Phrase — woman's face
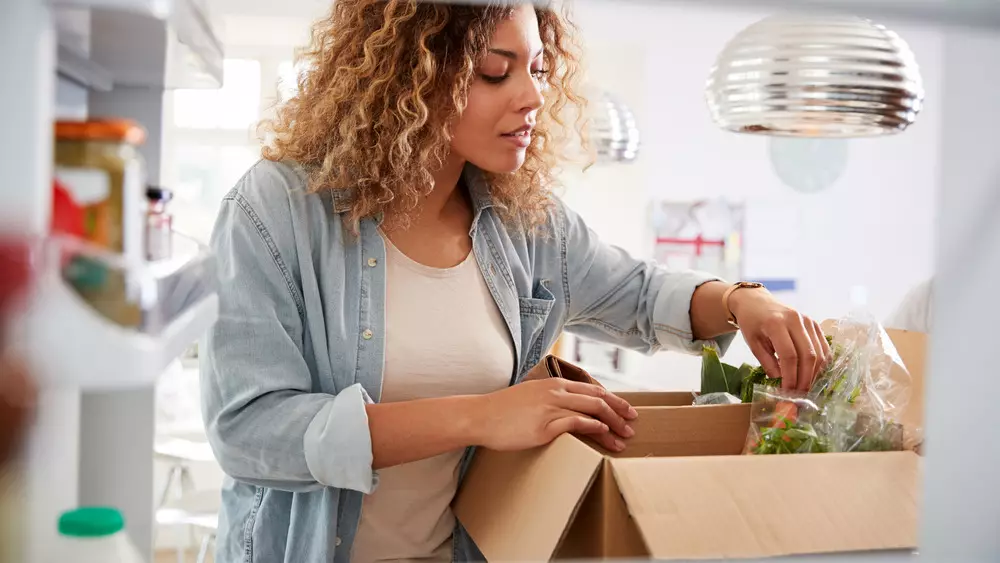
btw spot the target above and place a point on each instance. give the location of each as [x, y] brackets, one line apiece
[495, 129]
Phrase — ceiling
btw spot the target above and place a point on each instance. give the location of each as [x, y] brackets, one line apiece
[285, 8]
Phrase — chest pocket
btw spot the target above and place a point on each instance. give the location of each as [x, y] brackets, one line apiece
[534, 314]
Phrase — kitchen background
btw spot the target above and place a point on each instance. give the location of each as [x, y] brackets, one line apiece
[861, 242]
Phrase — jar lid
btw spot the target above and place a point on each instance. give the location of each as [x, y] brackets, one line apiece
[121, 130]
[91, 522]
[157, 193]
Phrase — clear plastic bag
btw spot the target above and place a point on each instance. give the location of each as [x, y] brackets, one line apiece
[872, 376]
[784, 422]
[717, 399]
[855, 404]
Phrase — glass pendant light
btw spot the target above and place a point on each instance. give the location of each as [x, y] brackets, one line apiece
[815, 76]
[613, 130]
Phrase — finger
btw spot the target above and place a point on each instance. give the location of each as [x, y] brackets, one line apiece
[574, 423]
[619, 405]
[599, 409]
[608, 441]
[604, 436]
[805, 350]
[788, 357]
[819, 344]
[824, 345]
[765, 355]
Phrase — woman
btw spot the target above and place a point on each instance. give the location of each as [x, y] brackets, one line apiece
[397, 263]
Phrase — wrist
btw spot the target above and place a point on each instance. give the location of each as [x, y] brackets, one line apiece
[738, 296]
[470, 420]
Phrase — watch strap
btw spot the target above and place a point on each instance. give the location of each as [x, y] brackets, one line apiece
[731, 318]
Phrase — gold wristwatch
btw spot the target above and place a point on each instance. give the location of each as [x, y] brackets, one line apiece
[725, 298]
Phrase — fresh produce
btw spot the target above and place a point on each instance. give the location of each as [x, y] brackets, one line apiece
[790, 438]
[841, 378]
[720, 377]
[715, 378]
[756, 376]
[827, 418]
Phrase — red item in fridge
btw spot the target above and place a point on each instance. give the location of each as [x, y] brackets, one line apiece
[67, 216]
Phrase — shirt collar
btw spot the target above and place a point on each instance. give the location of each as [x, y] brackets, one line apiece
[475, 182]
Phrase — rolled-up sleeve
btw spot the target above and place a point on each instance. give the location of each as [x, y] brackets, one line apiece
[616, 298]
[672, 313]
[342, 426]
[265, 422]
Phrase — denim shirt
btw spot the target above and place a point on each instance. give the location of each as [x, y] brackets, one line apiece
[297, 351]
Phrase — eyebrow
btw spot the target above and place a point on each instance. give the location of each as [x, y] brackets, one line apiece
[511, 54]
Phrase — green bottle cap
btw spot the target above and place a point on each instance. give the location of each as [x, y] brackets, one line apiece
[91, 522]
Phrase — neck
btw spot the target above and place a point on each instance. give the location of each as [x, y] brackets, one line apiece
[446, 193]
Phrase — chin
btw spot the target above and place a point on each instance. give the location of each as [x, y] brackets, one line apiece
[506, 164]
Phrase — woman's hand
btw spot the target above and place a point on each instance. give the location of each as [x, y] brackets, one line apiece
[534, 413]
[787, 344]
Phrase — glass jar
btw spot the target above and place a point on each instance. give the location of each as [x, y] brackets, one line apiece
[99, 165]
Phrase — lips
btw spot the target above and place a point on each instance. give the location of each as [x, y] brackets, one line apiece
[521, 131]
[520, 137]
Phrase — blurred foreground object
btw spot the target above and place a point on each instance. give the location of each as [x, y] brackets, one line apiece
[17, 400]
[815, 76]
[17, 392]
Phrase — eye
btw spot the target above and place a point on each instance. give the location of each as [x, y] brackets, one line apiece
[494, 79]
[540, 73]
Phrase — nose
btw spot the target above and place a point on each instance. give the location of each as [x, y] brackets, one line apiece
[531, 98]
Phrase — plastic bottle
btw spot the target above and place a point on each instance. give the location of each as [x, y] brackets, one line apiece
[94, 535]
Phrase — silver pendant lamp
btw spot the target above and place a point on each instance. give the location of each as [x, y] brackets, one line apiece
[815, 76]
[614, 132]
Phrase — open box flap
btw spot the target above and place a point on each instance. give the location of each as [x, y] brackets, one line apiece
[687, 431]
[518, 505]
[764, 506]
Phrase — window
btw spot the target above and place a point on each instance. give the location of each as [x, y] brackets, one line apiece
[234, 106]
[209, 135]
[288, 79]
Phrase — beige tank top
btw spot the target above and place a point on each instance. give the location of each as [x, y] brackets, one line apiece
[444, 336]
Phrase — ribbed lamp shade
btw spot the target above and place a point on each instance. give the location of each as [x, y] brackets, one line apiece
[613, 130]
[815, 76]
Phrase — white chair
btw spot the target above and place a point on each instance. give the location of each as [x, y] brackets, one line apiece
[196, 510]
[180, 504]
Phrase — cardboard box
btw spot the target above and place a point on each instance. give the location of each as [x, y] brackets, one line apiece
[681, 490]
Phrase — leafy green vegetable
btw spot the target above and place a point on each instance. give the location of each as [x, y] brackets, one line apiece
[787, 437]
[720, 377]
[756, 376]
[717, 377]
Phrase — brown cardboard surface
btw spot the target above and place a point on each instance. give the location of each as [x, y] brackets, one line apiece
[687, 431]
[658, 398]
[603, 526]
[518, 505]
[738, 506]
[681, 490]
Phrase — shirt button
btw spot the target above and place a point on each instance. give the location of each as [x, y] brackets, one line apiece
[337, 542]
[372, 262]
[367, 334]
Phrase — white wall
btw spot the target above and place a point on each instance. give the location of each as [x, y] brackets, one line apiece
[873, 229]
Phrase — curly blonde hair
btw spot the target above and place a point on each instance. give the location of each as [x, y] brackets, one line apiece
[385, 79]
